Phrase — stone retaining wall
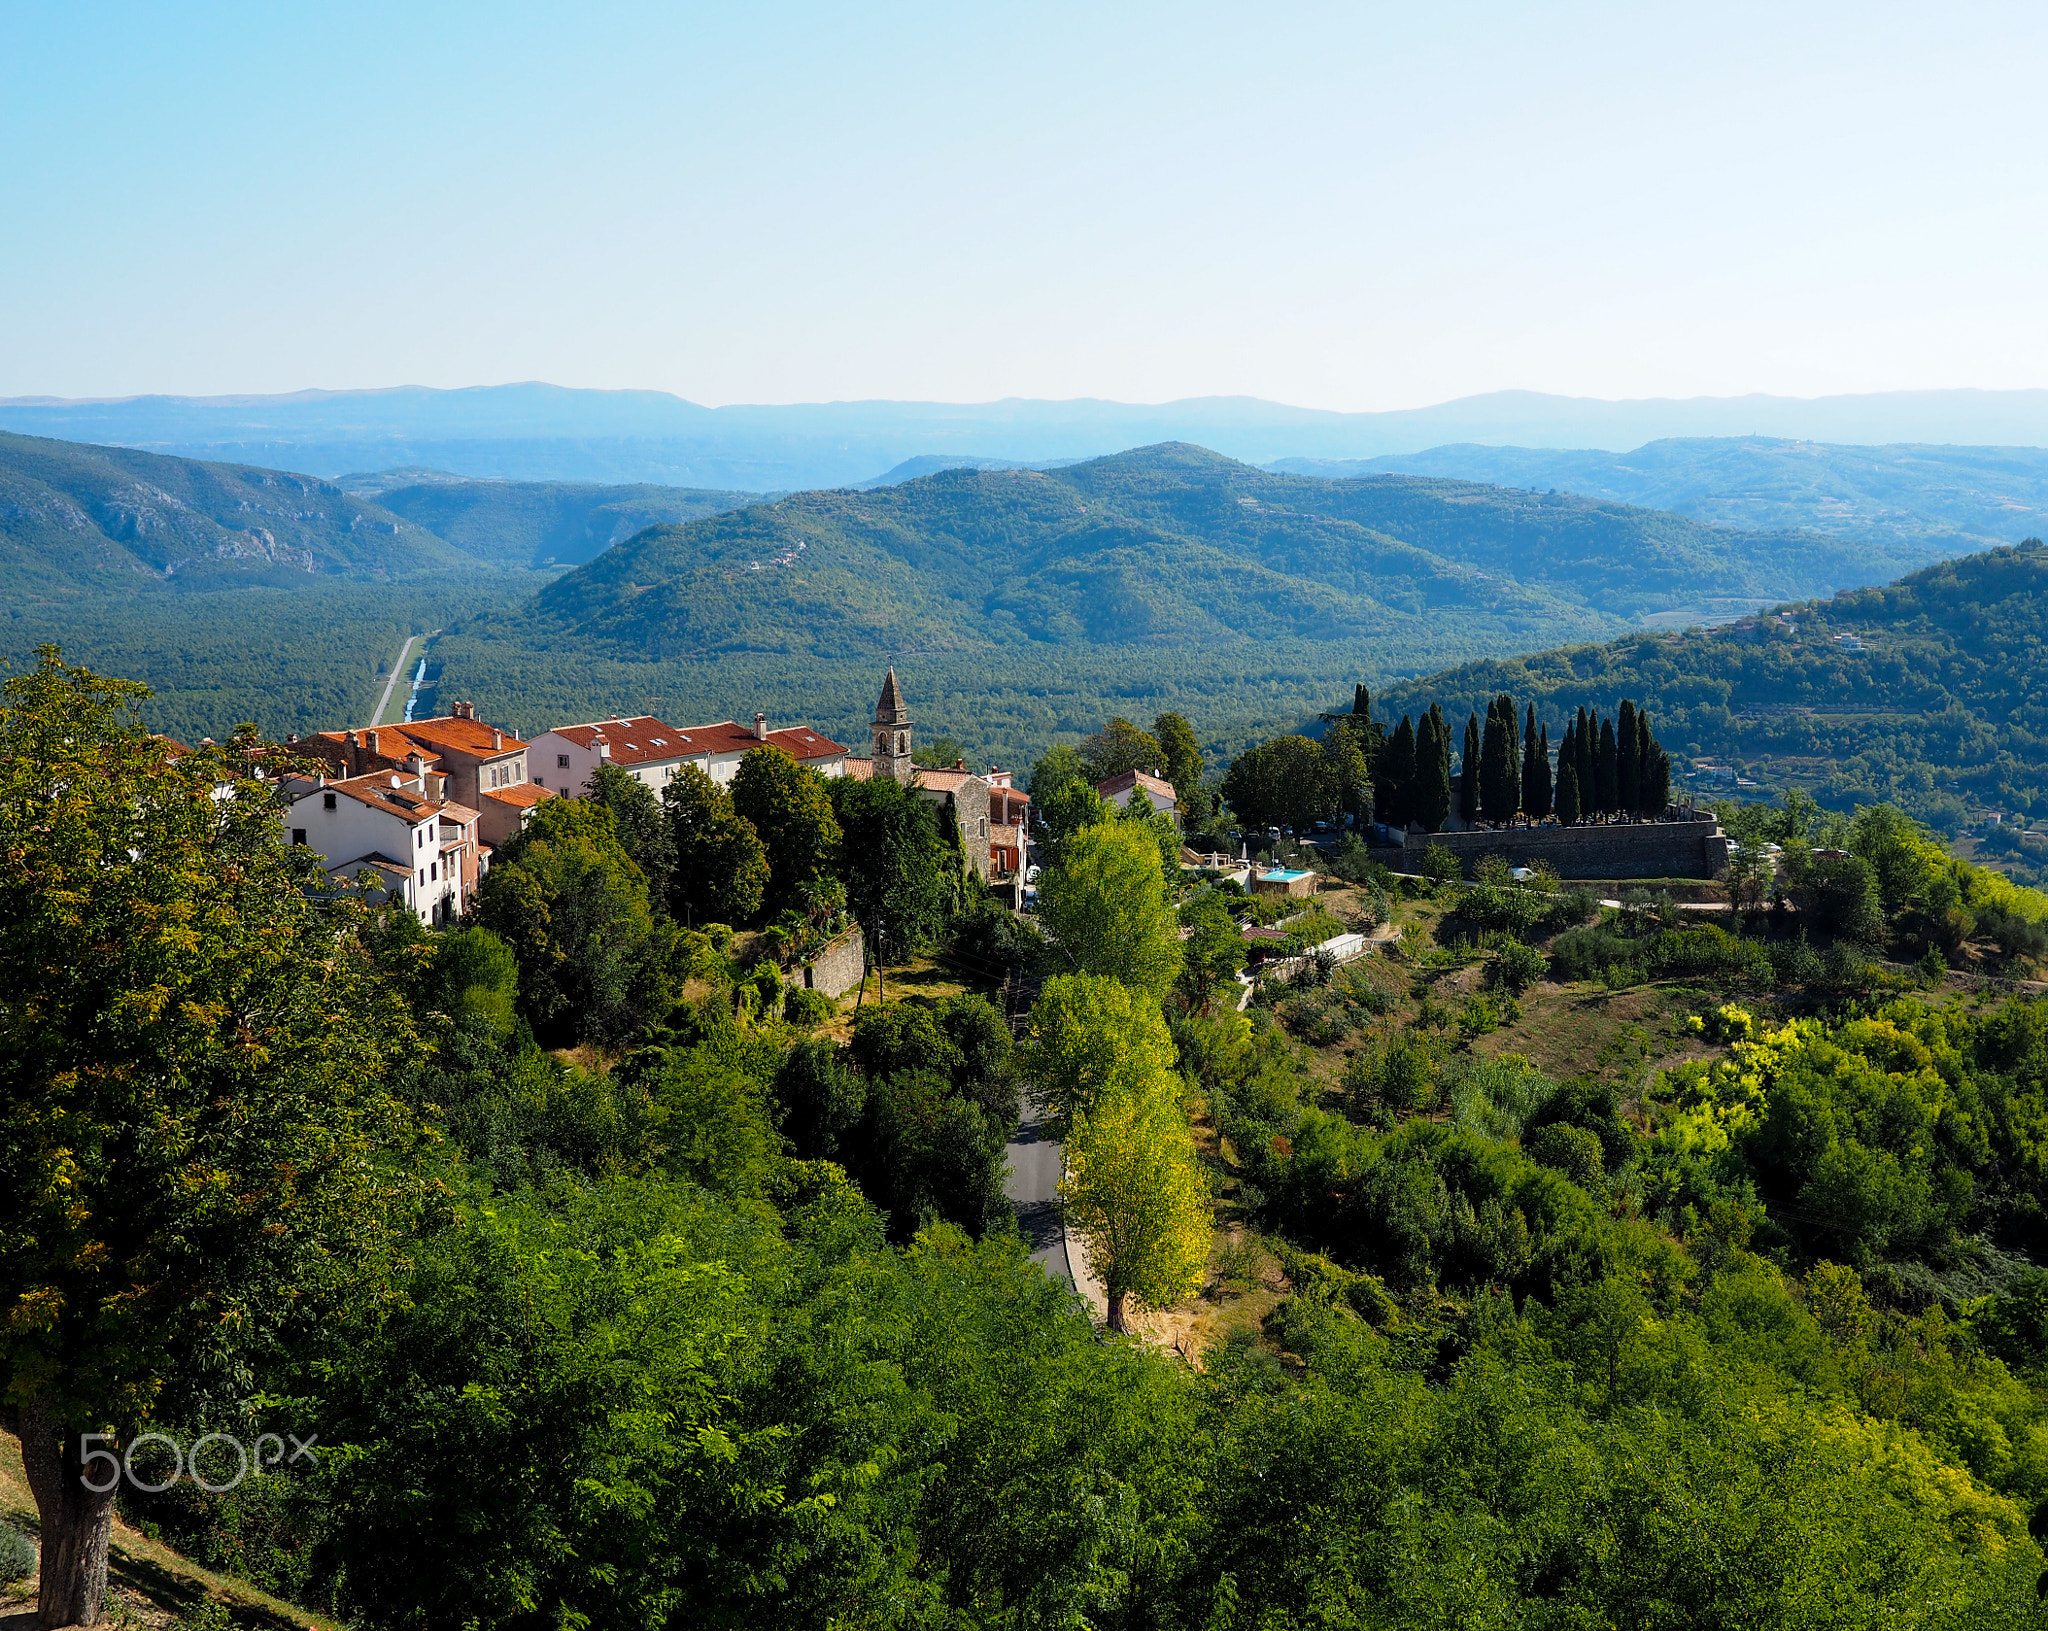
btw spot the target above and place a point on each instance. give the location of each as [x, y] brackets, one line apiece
[837, 969]
[1644, 849]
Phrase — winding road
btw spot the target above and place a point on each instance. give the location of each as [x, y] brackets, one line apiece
[1032, 1183]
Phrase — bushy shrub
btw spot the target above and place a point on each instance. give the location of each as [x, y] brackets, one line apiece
[1794, 962]
[1401, 1075]
[2014, 935]
[1573, 1151]
[1569, 907]
[1586, 953]
[1514, 967]
[805, 1007]
[1440, 865]
[17, 1555]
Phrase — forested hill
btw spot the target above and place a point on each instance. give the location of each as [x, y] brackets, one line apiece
[1931, 692]
[1938, 500]
[1163, 545]
[545, 523]
[82, 520]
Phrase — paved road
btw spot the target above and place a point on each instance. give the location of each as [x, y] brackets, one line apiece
[397, 668]
[1032, 1184]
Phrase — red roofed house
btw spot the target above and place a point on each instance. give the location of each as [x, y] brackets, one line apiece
[483, 766]
[566, 757]
[1120, 790]
[402, 831]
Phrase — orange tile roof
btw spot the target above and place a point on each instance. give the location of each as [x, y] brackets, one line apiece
[860, 769]
[646, 740]
[464, 735]
[948, 780]
[525, 795]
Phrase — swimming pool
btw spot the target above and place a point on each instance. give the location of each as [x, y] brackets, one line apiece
[1283, 876]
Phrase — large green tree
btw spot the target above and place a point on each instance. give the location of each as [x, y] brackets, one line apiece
[594, 962]
[1468, 772]
[1286, 780]
[788, 805]
[644, 832]
[1393, 788]
[1120, 746]
[895, 865]
[720, 870]
[1106, 908]
[193, 1057]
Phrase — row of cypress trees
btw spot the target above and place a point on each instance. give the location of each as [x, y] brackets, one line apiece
[1605, 767]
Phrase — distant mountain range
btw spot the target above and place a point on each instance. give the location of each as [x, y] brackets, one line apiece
[77, 519]
[546, 432]
[1961, 497]
[1171, 545]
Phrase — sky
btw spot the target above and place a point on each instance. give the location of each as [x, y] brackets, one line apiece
[1355, 206]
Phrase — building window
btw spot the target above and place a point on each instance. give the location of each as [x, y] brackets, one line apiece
[540, 781]
[984, 826]
[434, 872]
[561, 761]
[298, 835]
[327, 801]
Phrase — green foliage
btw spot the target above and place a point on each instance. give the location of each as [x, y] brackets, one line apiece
[1106, 909]
[194, 1055]
[1286, 781]
[1214, 950]
[720, 867]
[594, 963]
[894, 863]
[1121, 746]
[805, 1008]
[644, 833]
[17, 1555]
[789, 807]
[1440, 864]
[545, 523]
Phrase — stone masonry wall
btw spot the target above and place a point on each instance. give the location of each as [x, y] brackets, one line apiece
[837, 969]
[1651, 849]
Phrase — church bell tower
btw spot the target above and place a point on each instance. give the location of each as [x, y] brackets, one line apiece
[892, 733]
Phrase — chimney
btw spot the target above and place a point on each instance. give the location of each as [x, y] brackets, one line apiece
[370, 740]
[418, 766]
[760, 727]
[604, 746]
[497, 741]
[291, 739]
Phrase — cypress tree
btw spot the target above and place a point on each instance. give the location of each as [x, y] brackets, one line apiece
[1493, 753]
[1536, 784]
[1361, 700]
[1657, 783]
[1511, 727]
[1646, 748]
[1586, 741]
[1628, 761]
[1393, 789]
[1528, 777]
[1606, 775]
[1468, 773]
[1568, 782]
[1433, 771]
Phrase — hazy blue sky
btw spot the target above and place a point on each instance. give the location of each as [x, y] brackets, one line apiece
[1356, 206]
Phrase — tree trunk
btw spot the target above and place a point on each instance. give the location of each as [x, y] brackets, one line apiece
[1116, 1313]
[75, 1520]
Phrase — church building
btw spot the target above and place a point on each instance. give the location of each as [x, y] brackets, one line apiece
[958, 791]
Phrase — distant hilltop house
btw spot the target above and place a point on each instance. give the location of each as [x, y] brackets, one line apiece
[396, 829]
[993, 818]
[482, 766]
[653, 752]
[1137, 784]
